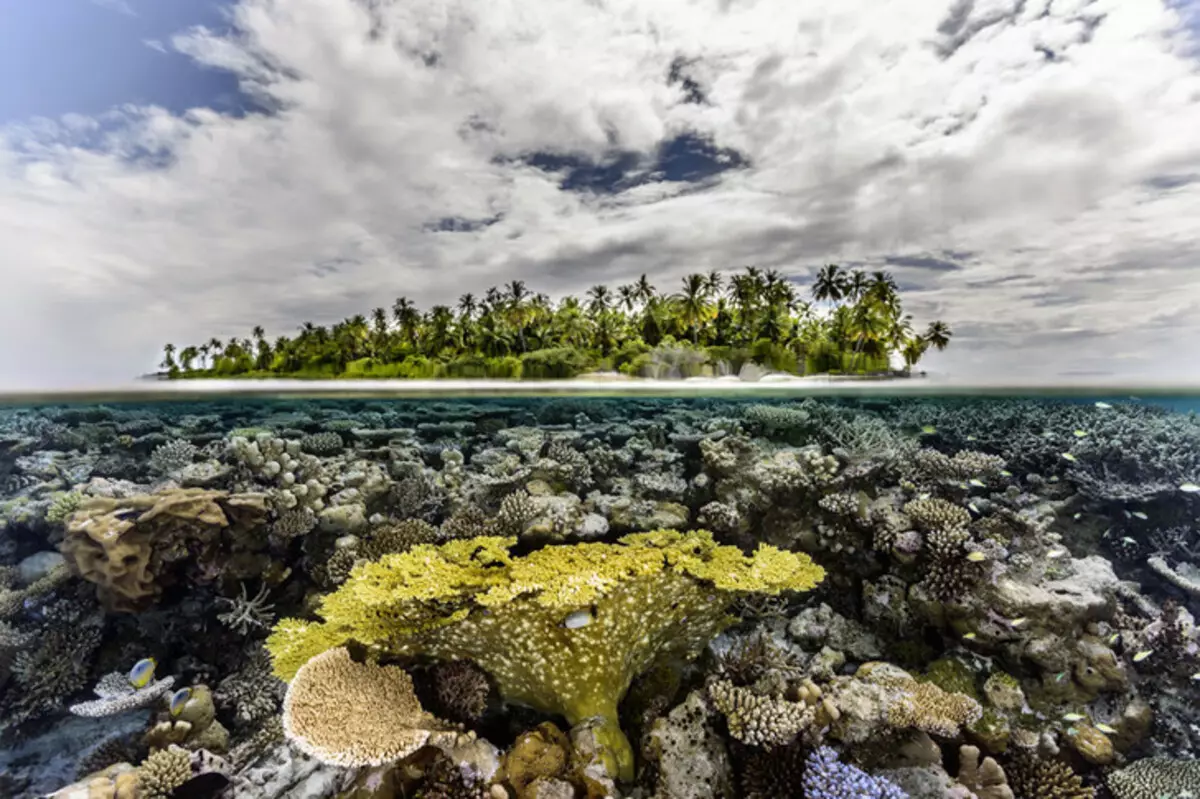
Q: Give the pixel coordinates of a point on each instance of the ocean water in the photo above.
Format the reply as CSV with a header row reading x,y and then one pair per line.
x,y
849,590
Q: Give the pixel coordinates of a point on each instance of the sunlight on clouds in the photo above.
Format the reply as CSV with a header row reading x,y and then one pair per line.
x,y
1029,134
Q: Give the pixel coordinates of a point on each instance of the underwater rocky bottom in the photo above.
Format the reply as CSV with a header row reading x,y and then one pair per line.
x,y
686,598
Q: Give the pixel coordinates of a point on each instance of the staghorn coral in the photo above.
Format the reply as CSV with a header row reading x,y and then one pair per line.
x,y
462,689
564,629
172,456
252,694
125,546
247,612
932,514
322,444
466,522
1035,777
355,714
162,772
398,537
294,523
516,511
758,720
1156,778
118,696
48,672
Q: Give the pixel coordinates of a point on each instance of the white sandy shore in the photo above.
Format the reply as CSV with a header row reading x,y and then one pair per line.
x,y
592,385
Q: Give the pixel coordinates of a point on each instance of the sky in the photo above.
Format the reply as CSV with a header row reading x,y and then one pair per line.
x,y
170,171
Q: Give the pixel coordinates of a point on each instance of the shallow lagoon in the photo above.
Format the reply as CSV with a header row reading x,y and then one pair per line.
x,y
1020,558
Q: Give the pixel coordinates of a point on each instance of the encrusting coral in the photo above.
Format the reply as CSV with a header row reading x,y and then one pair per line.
x,y
564,629
355,714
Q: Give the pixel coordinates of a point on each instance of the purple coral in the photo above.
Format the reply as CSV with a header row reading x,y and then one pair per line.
x,y
825,777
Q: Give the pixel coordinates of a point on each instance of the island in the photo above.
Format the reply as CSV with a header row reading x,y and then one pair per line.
x,y
715,324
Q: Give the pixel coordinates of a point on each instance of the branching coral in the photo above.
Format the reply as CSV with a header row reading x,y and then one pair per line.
x,y
1034,777
825,777
564,629
759,720
172,456
162,772
355,714
247,612
462,689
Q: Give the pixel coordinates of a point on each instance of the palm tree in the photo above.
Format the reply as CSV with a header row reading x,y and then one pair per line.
x,y
857,285
831,284
600,296
168,361
627,297
693,309
713,282
467,305
938,335
643,290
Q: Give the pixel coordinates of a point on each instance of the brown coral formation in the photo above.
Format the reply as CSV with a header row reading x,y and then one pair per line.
x,y
1033,777
983,775
126,546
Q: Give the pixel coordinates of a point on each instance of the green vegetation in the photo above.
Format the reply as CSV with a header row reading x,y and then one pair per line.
x,y
713,322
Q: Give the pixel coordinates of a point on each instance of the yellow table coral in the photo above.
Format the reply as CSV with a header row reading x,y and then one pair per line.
x,y
563,629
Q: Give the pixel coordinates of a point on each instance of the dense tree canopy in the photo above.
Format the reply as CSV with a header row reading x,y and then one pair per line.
x,y
714,322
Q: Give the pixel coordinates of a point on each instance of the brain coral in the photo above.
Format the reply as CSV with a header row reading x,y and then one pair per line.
x,y
564,629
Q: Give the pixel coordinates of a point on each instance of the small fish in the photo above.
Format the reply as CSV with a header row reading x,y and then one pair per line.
x,y
976,557
179,699
142,672
924,495
1103,405
580,618
1128,540
970,637
1018,622
1080,433
1196,677
1062,675
1073,717
1107,729
1053,478
974,508
1056,553
1068,456
928,429
1077,516
1140,656
975,481
1137,514
972,438
1005,473
1072,731
1125,512
1113,639
1189,488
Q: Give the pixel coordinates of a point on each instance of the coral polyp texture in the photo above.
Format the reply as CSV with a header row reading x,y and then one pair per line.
x,y
355,714
564,629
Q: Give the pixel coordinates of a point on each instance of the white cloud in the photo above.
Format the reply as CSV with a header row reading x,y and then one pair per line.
x,y
155,44
120,6
1049,140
